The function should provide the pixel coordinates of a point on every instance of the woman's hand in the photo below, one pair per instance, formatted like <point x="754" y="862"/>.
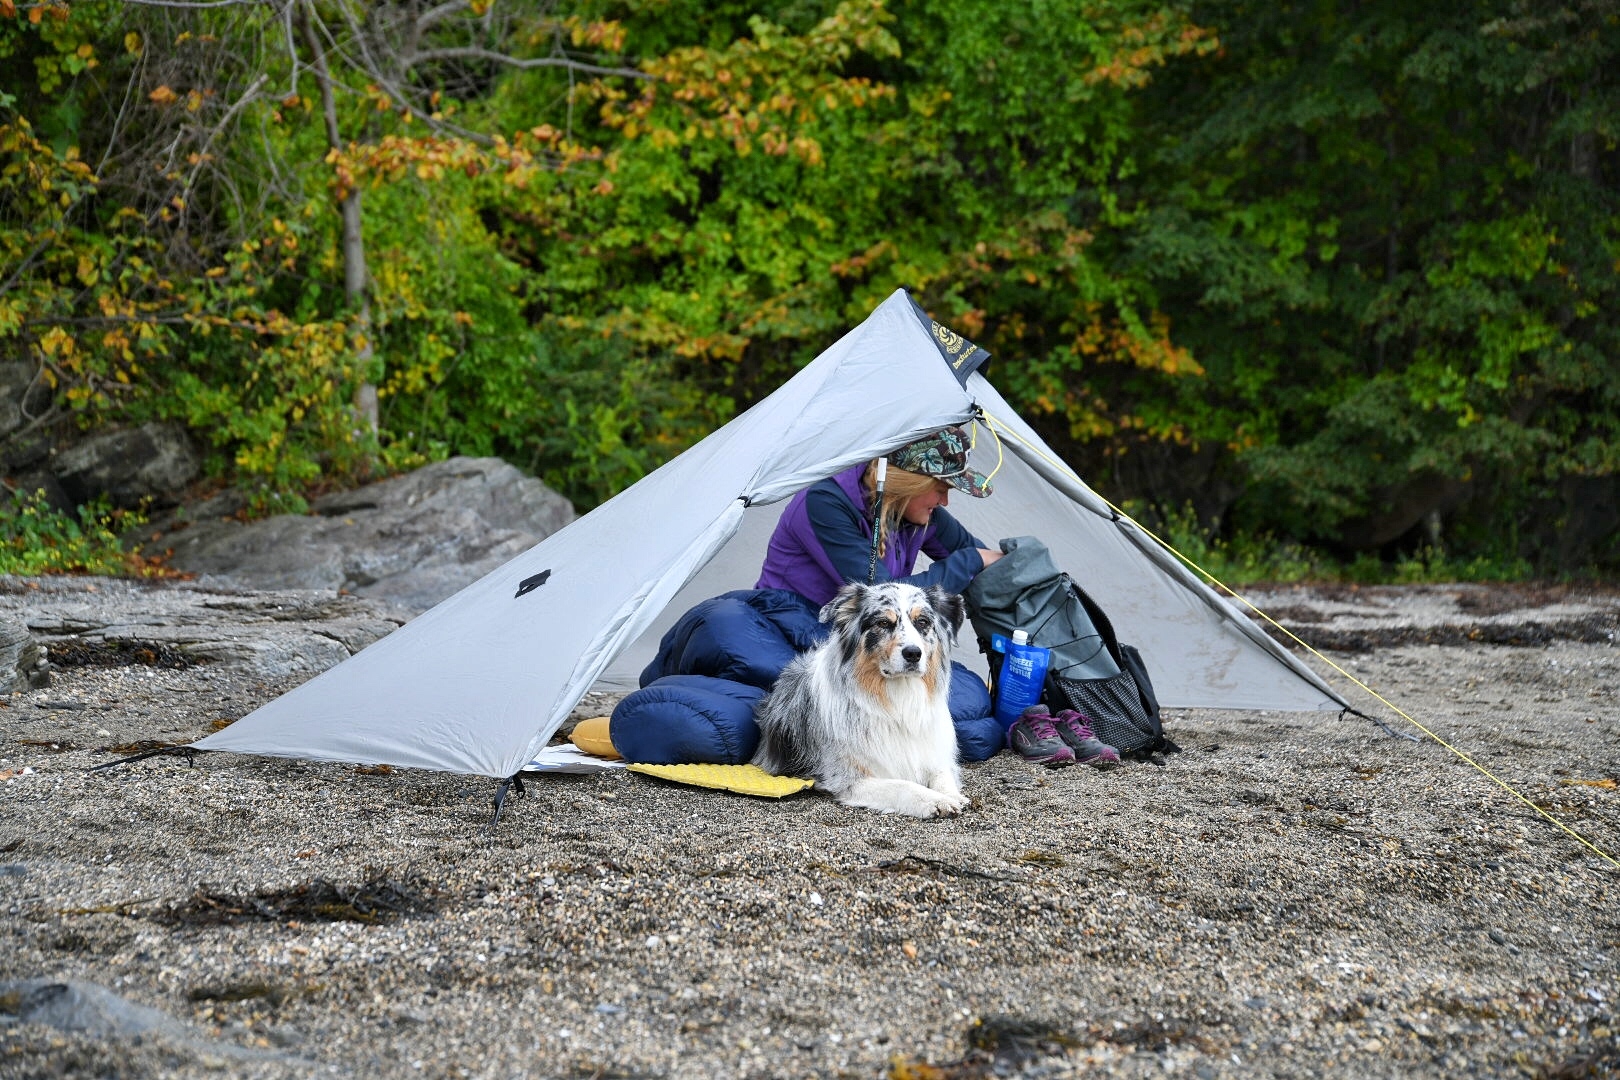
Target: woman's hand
<point x="989" y="556"/>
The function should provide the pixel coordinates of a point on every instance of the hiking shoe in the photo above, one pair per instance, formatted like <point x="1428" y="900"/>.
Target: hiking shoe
<point x="1088" y="749"/>
<point x="1034" y="738"/>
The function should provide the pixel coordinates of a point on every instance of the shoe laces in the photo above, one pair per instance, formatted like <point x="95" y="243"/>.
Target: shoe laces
<point x="1077" y="723"/>
<point x="1040" y="723"/>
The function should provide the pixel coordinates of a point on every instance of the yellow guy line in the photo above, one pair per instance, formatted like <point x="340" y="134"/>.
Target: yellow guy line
<point x="973" y="441"/>
<point x="999" y="428"/>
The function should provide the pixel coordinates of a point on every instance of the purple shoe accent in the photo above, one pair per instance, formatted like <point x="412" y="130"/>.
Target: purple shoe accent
<point x="1072" y="728"/>
<point x="1034" y="738"/>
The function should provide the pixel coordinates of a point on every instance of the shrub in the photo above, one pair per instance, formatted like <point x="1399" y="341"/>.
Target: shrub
<point x="36" y="538"/>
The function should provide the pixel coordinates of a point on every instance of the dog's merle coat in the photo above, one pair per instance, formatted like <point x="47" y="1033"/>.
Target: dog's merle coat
<point x="867" y="712"/>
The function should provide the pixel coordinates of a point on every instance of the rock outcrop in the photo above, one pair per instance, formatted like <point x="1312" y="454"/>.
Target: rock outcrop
<point x="22" y="661"/>
<point x="411" y="540"/>
<point x="101" y="621"/>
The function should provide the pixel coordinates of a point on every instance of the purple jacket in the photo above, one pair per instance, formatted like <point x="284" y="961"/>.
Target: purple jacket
<point x="824" y="540"/>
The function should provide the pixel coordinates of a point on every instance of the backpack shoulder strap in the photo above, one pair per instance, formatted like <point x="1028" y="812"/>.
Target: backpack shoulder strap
<point x="1099" y="619"/>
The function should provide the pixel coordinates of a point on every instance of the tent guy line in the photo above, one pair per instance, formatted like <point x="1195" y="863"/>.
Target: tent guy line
<point x="1461" y="755"/>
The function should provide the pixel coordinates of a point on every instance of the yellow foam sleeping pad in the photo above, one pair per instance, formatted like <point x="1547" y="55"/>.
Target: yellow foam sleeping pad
<point x="743" y="779"/>
<point x="592" y="737"/>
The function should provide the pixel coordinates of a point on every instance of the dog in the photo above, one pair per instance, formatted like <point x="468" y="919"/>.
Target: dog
<point x="867" y="712"/>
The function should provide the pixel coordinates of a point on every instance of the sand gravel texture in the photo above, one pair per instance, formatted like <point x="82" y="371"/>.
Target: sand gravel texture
<point x="1293" y="895"/>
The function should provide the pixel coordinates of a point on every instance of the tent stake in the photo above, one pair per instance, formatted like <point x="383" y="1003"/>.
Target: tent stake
<point x="513" y="783"/>
<point x="1391" y="732"/>
<point x="191" y="757"/>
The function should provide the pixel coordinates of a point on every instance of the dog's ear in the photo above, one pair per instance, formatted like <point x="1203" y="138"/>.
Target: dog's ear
<point x="950" y="606"/>
<point x="845" y="608"/>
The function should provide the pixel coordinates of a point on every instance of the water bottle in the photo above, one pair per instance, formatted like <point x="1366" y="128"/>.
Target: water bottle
<point x="1023" y="675"/>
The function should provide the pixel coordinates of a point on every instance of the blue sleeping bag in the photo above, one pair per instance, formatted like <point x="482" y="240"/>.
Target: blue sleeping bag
<point x="979" y="735"/>
<point x="748" y="636"/>
<point x="686" y="719"/>
<point x="697" y="696"/>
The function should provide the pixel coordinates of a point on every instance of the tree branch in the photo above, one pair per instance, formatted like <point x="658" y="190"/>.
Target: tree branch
<point x="366" y="62"/>
<point x="49" y="416"/>
<point x="429" y="18"/>
<point x="475" y="53"/>
<point x="292" y="48"/>
<point x="181" y="4"/>
<point x="248" y="95"/>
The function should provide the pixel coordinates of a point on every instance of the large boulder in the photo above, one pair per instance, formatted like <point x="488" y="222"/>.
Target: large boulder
<point x="130" y="466"/>
<point x="412" y="540"/>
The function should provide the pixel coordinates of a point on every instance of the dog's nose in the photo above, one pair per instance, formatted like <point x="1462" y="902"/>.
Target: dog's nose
<point x="911" y="653"/>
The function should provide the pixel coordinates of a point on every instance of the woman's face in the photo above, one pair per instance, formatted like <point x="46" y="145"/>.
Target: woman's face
<point x="921" y="507"/>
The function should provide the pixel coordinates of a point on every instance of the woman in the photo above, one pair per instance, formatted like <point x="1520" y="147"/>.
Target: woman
<point x="824" y="538"/>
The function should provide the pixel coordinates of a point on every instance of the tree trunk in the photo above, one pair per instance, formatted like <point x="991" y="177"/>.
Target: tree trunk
<point x="356" y="284"/>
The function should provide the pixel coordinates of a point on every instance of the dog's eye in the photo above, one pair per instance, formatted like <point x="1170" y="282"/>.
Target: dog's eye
<point x="923" y="623"/>
<point x="882" y="623"/>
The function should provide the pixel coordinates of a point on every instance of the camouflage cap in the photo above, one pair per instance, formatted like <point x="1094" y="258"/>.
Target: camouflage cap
<point x="943" y="455"/>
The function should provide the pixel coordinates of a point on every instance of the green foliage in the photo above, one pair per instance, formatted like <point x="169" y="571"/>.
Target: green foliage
<point x="36" y="538"/>
<point x="1390" y="239"/>
<point x="81" y="300"/>
<point x="1427" y="566"/>
<point x="635" y="295"/>
<point x="765" y="193"/>
<point x="1260" y="558"/>
<point x="1242" y="559"/>
<point x="1336" y="275"/>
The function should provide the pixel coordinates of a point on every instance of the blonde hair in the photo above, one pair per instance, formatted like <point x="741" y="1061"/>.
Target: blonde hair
<point x="900" y="486"/>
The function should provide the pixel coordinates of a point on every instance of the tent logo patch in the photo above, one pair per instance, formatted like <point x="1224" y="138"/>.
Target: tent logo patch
<point x="953" y="344"/>
<point x="960" y="355"/>
<point x="529" y="584"/>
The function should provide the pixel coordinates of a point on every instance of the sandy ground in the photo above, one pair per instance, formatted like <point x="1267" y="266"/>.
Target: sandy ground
<point x="1292" y="895"/>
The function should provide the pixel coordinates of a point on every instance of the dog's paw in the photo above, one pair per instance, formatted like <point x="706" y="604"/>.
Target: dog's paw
<point x="902" y="797"/>
<point x="949" y="795"/>
<point x="949" y="804"/>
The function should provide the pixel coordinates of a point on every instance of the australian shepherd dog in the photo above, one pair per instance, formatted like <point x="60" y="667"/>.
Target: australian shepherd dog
<point x="866" y="712"/>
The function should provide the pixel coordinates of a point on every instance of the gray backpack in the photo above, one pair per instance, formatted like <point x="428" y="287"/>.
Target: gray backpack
<point x="1090" y="672"/>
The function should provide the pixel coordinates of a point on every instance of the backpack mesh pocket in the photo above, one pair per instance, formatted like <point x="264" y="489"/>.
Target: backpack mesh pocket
<point x="1114" y="708"/>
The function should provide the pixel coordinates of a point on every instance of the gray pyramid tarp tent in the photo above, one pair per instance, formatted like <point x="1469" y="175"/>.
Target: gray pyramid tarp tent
<point x="481" y="682"/>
